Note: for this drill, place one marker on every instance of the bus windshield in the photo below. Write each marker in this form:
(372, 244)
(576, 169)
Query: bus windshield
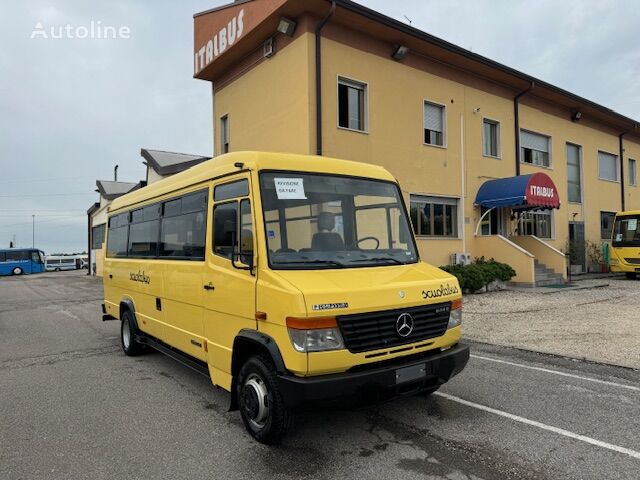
(317, 221)
(626, 231)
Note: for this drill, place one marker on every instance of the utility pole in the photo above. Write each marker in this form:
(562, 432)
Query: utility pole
(33, 231)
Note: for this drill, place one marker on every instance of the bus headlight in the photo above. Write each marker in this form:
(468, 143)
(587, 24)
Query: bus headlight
(314, 334)
(455, 316)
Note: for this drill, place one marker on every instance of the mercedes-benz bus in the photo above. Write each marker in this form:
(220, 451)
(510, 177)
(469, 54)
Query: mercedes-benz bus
(291, 281)
(625, 244)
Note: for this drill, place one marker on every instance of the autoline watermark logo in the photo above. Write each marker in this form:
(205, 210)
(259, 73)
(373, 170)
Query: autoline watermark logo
(93, 31)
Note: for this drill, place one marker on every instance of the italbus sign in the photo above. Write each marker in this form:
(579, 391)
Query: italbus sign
(221, 39)
(541, 191)
(216, 31)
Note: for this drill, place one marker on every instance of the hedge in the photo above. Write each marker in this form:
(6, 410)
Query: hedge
(480, 273)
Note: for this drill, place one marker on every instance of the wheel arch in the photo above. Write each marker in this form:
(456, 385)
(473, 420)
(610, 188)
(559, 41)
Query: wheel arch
(246, 344)
(126, 304)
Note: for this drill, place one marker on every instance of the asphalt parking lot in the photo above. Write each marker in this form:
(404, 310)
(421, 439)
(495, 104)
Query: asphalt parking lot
(74, 407)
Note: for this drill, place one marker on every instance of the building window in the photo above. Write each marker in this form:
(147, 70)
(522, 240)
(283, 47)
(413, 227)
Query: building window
(538, 223)
(434, 216)
(224, 134)
(606, 224)
(434, 122)
(490, 138)
(633, 180)
(608, 167)
(574, 173)
(97, 237)
(352, 101)
(534, 148)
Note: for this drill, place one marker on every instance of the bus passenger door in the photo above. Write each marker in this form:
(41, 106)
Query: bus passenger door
(229, 281)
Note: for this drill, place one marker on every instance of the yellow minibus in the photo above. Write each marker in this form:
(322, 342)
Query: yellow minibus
(292, 281)
(625, 244)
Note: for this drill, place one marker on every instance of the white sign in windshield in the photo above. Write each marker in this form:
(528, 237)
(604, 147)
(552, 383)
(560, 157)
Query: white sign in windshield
(289, 188)
(632, 224)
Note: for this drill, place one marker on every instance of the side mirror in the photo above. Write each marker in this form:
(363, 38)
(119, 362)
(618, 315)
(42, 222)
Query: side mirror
(238, 256)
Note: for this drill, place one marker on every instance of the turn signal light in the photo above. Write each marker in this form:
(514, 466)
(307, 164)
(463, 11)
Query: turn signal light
(311, 323)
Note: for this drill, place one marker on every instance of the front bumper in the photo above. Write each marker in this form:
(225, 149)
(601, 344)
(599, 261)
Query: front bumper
(375, 384)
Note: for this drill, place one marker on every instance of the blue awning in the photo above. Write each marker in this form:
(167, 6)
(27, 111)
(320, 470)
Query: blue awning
(523, 191)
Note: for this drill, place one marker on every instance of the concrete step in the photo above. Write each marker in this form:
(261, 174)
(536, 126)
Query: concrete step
(544, 283)
(546, 276)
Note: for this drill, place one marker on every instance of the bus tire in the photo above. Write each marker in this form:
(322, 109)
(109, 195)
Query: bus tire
(262, 408)
(17, 271)
(130, 346)
(631, 275)
(57, 270)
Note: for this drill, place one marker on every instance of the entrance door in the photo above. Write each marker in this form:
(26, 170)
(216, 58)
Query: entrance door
(577, 244)
(229, 286)
(496, 222)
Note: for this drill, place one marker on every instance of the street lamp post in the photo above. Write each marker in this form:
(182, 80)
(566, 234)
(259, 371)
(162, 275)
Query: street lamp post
(33, 231)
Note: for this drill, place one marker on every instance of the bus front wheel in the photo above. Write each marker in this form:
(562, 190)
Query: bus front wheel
(17, 271)
(130, 346)
(262, 408)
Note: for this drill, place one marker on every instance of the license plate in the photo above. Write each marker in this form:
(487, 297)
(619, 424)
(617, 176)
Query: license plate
(408, 374)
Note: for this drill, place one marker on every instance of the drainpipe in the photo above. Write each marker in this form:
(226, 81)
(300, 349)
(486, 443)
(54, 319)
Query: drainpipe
(319, 28)
(621, 168)
(516, 116)
(88, 244)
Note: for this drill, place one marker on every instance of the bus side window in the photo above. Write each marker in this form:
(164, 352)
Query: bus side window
(225, 225)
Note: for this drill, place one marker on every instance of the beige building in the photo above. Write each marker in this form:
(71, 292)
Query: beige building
(338, 79)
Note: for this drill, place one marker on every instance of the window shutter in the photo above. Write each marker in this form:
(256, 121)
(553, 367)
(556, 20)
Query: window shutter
(433, 117)
(534, 141)
(607, 166)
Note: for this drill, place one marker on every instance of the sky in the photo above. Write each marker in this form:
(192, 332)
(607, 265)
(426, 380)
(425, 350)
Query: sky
(73, 108)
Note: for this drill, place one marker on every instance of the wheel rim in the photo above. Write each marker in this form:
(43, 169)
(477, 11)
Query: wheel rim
(254, 401)
(126, 334)
(17, 271)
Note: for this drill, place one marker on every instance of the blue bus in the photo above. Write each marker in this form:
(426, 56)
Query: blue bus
(18, 261)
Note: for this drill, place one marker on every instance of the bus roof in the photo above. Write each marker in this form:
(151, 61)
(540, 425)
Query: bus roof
(28, 249)
(628, 212)
(224, 165)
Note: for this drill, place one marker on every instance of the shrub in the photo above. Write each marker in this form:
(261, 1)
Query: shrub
(480, 273)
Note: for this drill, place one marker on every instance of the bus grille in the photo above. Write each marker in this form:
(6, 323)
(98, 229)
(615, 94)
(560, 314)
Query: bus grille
(632, 261)
(363, 332)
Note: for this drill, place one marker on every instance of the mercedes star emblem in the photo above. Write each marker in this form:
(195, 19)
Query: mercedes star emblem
(401, 294)
(404, 325)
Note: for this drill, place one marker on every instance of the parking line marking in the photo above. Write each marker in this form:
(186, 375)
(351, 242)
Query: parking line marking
(544, 426)
(557, 372)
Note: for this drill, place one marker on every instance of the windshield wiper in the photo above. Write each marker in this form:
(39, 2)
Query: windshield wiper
(379, 259)
(317, 262)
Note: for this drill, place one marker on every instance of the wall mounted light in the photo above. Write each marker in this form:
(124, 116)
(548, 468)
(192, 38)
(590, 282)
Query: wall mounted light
(286, 26)
(400, 52)
(576, 116)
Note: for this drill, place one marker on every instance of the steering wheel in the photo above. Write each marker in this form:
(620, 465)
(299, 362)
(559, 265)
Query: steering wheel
(359, 241)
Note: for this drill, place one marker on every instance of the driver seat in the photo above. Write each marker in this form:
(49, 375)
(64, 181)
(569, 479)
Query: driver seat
(325, 239)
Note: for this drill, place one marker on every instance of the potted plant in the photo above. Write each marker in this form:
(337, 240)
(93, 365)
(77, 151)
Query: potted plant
(571, 250)
(595, 257)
